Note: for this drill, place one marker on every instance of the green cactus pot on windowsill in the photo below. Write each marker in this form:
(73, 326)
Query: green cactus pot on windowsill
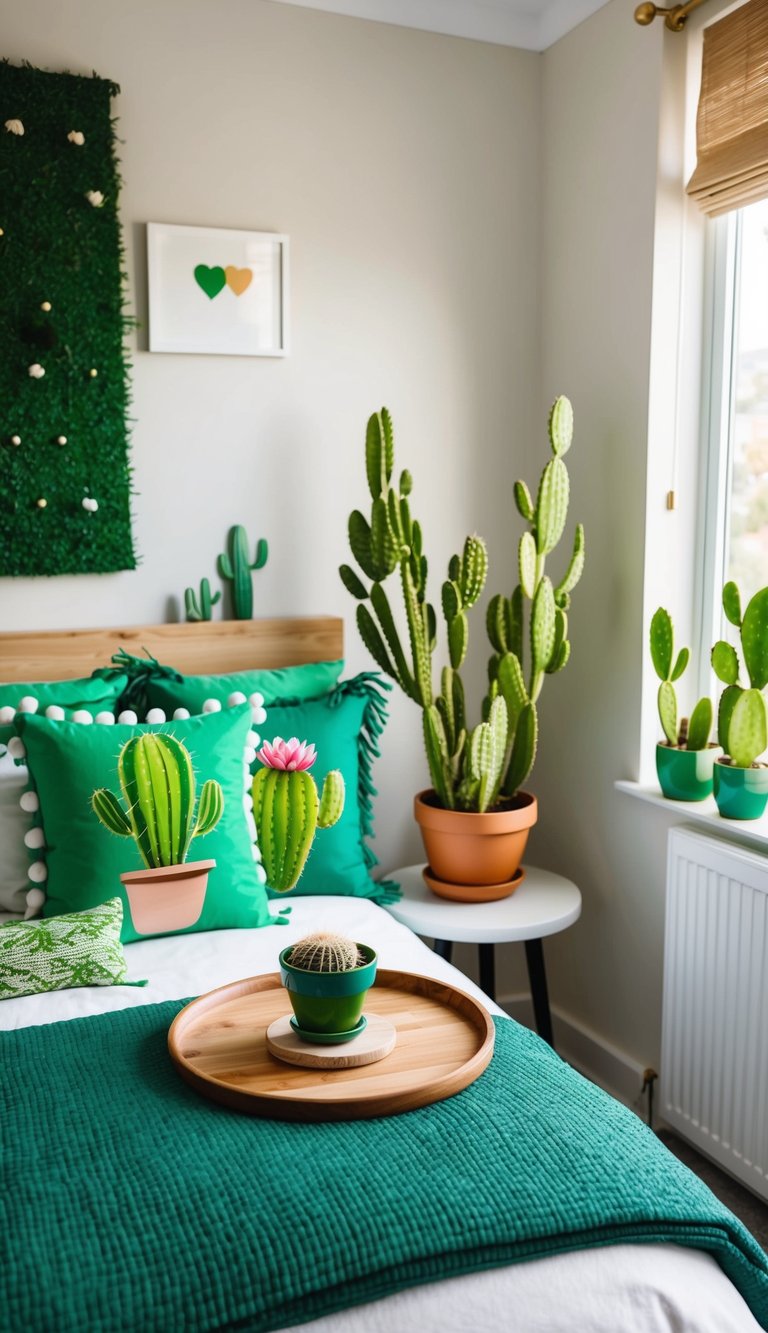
(686, 775)
(686, 757)
(327, 978)
(740, 781)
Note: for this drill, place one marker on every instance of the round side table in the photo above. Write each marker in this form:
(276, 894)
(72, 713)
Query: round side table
(544, 904)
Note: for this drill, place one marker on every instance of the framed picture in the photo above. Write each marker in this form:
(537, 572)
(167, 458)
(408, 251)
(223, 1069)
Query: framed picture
(215, 290)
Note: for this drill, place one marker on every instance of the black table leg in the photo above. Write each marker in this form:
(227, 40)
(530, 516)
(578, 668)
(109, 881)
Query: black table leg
(534, 955)
(487, 970)
(444, 949)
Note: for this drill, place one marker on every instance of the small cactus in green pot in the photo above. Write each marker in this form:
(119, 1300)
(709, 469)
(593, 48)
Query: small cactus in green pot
(288, 809)
(327, 978)
(685, 759)
(741, 783)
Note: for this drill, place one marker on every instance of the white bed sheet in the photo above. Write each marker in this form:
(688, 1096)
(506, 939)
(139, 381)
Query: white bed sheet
(618, 1289)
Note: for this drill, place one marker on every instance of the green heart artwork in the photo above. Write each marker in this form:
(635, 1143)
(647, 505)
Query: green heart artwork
(210, 279)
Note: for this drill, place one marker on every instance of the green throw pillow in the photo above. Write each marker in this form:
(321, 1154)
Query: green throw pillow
(284, 684)
(80, 949)
(344, 727)
(94, 694)
(68, 761)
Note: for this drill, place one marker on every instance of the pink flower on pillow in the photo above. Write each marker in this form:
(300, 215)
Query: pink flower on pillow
(293, 756)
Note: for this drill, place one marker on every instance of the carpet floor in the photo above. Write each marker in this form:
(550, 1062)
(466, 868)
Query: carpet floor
(741, 1201)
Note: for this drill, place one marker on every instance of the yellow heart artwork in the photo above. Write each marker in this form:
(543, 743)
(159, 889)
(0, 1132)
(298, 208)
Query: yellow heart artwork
(238, 278)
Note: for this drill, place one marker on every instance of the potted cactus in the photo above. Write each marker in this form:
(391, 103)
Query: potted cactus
(327, 978)
(740, 782)
(158, 786)
(476, 818)
(288, 810)
(686, 757)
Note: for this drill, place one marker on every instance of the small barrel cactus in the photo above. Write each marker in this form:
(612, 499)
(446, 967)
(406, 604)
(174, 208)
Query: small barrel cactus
(288, 810)
(742, 719)
(690, 734)
(235, 567)
(158, 786)
(324, 952)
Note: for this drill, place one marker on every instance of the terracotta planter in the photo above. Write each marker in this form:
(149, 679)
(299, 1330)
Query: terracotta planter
(686, 775)
(167, 899)
(475, 849)
(741, 793)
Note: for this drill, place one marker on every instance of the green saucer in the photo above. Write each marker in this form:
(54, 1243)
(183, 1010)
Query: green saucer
(329, 1038)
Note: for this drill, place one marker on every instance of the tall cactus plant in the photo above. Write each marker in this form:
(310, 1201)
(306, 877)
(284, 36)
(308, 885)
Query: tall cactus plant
(233, 565)
(288, 810)
(158, 786)
(470, 769)
(742, 720)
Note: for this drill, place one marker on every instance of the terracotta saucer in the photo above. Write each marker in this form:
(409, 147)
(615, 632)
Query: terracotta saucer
(472, 893)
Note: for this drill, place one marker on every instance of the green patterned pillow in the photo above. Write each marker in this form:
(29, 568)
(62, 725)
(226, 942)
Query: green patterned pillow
(278, 685)
(81, 949)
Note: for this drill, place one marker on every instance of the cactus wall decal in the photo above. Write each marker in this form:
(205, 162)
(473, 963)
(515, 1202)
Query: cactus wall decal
(287, 809)
(234, 566)
(200, 608)
(158, 787)
(471, 769)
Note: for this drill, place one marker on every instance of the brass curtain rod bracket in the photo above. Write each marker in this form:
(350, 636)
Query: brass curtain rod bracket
(674, 18)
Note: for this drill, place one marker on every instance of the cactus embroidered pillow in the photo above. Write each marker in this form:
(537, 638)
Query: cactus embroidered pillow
(344, 727)
(80, 949)
(281, 685)
(82, 862)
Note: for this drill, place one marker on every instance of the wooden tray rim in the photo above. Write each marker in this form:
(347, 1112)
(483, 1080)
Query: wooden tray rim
(280, 1104)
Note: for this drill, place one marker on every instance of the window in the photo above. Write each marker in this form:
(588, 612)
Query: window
(736, 507)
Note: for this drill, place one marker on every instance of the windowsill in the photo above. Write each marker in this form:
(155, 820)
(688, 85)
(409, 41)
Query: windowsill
(750, 832)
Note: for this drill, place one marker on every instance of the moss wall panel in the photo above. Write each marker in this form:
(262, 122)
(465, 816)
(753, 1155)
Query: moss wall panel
(63, 433)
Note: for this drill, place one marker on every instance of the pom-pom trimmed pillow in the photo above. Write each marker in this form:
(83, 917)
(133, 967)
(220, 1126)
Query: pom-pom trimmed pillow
(344, 727)
(61, 698)
(80, 949)
(282, 685)
(94, 694)
(83, 862)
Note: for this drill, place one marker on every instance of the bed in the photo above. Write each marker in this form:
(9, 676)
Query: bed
(597, 1287)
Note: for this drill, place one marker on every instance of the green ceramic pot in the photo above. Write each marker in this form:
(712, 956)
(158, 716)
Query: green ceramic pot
(328, 1001)
(741, 793)
(686, 775)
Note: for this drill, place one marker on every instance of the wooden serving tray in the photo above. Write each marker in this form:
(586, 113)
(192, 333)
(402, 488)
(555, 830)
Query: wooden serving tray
(444, 1042)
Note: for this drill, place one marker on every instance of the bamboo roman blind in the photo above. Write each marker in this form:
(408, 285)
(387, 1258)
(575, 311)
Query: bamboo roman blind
(732, 120)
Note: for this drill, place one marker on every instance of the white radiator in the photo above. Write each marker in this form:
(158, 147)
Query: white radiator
(714, 1062)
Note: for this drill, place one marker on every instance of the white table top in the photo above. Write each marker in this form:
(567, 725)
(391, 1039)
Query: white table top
(544, 904)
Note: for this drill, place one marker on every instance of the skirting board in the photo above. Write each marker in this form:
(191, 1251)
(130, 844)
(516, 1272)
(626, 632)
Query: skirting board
(597, 1059)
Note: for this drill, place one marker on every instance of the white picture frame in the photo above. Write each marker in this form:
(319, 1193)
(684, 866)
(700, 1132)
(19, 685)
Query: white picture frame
(217, 291)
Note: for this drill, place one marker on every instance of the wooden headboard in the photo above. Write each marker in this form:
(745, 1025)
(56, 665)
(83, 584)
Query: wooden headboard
(207, 647)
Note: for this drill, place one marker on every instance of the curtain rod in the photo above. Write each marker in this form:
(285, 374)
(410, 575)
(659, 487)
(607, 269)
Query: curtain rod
(674, 18)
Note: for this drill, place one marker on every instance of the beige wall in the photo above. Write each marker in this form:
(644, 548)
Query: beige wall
(404, 167)
(602, 89)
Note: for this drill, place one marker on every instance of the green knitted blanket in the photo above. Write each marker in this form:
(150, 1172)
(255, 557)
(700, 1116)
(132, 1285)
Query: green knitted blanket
(133, 1204)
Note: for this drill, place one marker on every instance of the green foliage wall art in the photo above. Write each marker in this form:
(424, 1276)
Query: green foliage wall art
(65, 495)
